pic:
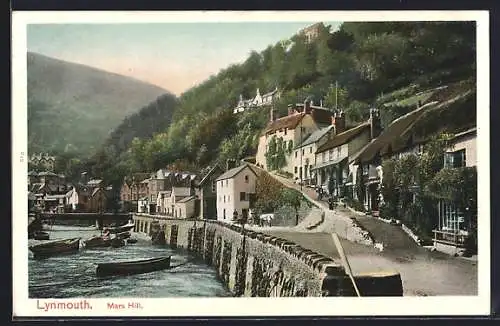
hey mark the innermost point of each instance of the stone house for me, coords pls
(207, 189)
(302, 120)
(235, 189)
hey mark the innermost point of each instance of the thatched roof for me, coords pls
(344, 137)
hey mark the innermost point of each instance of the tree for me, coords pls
(268, 193)
(294, 199)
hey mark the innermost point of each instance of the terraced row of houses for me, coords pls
(321, 151)
(217, 193)
(51, 192)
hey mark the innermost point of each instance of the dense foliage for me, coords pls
(413, 185)
(355, 67)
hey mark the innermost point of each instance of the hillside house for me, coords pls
(43, 161)
(257, 102)
(332, 170)
(302, 120)
(235, 190)
(207, 189)
(408, 134)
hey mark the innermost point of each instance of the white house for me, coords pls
(234, 189)
(300, 123)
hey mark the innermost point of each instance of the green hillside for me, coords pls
(73, 108)
(372, 63)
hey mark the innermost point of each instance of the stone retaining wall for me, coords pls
(254, 264)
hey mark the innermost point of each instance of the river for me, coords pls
(73, 275)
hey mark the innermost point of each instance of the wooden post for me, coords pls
(343, 257)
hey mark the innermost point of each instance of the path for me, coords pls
(422, 272)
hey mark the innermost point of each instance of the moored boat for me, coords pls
(41, 235)
(123, 235)
(131, 240)
(122, 228)
(52, 248)
(133, 267)
(97, 242)
(117, 242)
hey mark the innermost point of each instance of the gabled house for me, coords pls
(98, 200)
(208, 193)
(289, 131)
(332, 170)
(179, 202)
(258, 101)
(455, 112)
(235, 191)
(79, 198)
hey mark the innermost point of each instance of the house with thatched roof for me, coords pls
(449, 110)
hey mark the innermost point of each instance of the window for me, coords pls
(324, 157)
(224, 198)
(454, 159)
(286, 130)
(224, 213)
(310, 149)
(246, 179)
(296, 152)
(228, 198)
(213, 187)
(338, 151)
(227, 182)
(242, 196)
(295, 169)
(330, 154)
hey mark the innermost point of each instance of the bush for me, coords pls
(355, 204)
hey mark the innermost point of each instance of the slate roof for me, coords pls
(289, 121)
(209, 173)
(233, 172)
(315, 136)
(344, 137)
(185, 200)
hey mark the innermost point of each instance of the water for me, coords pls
(74, 275)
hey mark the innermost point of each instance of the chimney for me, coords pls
(375, 125)
(271, 115)
(230, 164)
(338, 120)
(307, 106)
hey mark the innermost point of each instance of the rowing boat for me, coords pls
(122, 228)
(133, 267)
(97, 242)
(56, 247)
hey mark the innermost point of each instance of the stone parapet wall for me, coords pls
(251, 263)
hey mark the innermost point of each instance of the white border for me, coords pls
(452, 305)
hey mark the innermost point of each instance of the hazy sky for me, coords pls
(175, 56)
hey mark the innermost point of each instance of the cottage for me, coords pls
(300, 123)
(256, 102)
(410, 133)
(235, 190)
(78, 198)
(208, 193)
(98, 200)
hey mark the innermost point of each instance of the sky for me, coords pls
(174, 56)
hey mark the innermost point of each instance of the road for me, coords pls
(424, 273)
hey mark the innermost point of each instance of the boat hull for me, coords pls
(117, 242)
(120, 229)
(133, 267)
(53, 248)
(123, 235)
(97, 242)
